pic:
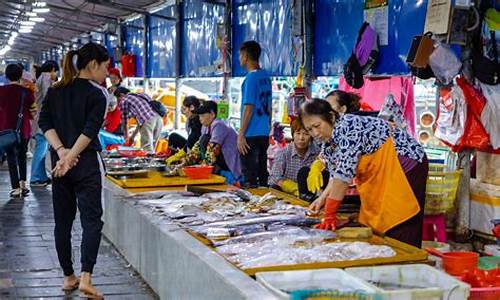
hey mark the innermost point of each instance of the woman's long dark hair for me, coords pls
(85, 55)
(318, 107)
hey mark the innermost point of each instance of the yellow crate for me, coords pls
(441, 191)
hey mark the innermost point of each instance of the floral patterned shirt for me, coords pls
(354, 136)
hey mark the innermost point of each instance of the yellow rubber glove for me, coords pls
(315, 177)
(176, 157)
(290, 187)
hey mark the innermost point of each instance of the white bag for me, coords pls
(490, 117)
(452, 115)
(444, 63)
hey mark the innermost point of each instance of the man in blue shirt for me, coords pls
(256, 109)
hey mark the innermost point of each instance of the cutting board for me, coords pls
(156, 179)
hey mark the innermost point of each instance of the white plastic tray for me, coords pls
(330, 279)
(434, 284)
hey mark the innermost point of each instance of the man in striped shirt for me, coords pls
(138, 106)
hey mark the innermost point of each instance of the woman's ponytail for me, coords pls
(69, 71)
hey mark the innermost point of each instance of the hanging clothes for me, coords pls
(128, 65)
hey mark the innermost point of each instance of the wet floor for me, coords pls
(28, 259)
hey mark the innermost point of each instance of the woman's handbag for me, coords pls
(12, 137)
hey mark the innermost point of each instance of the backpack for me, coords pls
(157, 106)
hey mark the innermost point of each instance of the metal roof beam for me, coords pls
(65, 27)
(79, 11)
(215, 2)
(74, 20)
(128, 8)
(45, 37)
(35, 41)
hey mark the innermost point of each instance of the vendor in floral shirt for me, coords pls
(390, 168)
(217, 145)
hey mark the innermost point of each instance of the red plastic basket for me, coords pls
(198, 172)
(492, 293)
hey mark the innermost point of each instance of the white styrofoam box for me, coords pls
(485, 205)
(411, 282)
(488, 168)
(328, 279)
(442, 247)
(493, 250)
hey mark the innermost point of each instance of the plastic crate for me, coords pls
(412, 282)
(485, 293)
(338, 283)
(441, 191)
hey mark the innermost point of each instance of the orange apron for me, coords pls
(386, 196)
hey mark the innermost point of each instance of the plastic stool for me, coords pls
(434, 228)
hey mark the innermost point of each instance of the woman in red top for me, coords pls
(10, 102)
(113, 117)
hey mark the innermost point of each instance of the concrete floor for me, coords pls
(28, 261)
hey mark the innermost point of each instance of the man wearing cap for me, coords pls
(138, 106)
(217, 145)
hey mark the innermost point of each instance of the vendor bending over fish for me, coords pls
(390, 168)
(217, 145)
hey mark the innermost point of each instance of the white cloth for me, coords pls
(490, 117)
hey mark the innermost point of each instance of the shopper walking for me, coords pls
(46, 75)
(15, 104)
(71, 116)
(149, 122)
(256, 111)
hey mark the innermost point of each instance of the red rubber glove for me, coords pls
(128, 143)
(330, 215)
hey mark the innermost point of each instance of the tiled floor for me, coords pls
(28, 259)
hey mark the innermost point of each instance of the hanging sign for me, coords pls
(377, 14)
(438, 16)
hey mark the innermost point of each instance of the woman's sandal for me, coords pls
(71, 287)
(91, 294)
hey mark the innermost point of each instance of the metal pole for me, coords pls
(309, 45)
(178, 60)
(145, 49)
(227, 50)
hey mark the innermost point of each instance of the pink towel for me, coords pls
(375, 90)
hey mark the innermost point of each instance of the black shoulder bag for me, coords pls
(12, 137)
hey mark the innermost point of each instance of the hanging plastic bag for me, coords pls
(444, 63)
(452, 113)
(475, 136)
(392, 111)
(490, 117)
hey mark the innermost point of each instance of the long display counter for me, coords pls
(173, 263)
(179, 265)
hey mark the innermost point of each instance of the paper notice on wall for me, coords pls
(438, 16)
(377, 14)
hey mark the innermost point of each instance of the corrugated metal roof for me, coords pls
(67, 19)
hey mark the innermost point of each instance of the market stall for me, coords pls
(197, 233)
